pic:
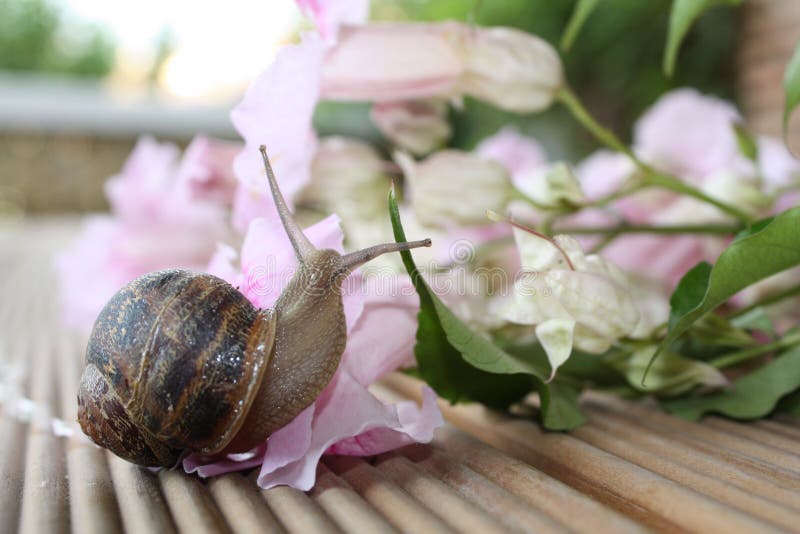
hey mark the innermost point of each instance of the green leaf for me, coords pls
(671, 375)
(750, 397)
(684, 13)
(592, 369)
(768, 248)
(443, 368)
(790, 404)
(559, 405)
(753, 228)
(479, 351)
(455, 361)
(689, 293)
(791, 89)
(747, 144)
(581, 12)
(460, 364)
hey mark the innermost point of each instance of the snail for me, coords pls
(179, 361)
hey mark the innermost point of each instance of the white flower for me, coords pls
(551, 186)
(417, 126)
(511, 69)
(347, 178)
(573, 299)
(744, 192)
(732, 188)
(452, 186)
(508, 68)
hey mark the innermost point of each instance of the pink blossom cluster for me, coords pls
(212, 211)
(691, 136)
(165, 212)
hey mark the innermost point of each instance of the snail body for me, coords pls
(181, 361)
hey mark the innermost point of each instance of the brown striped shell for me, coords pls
(180, 361)
(173, 363)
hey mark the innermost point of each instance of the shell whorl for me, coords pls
(184, 355)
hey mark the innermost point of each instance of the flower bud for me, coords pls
(455, 187)
(347, 178)
(671, 374)
(741, 191)
(508, 68)
(513, 70)
(416, 126)
(385, 62)
(731, 188)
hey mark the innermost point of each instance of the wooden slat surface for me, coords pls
(629, 469)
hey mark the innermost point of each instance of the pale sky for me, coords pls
(219, 46)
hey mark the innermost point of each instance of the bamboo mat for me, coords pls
(630, 469)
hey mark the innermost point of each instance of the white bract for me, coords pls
(573, 299)
(551, 186)
(511, 69)
(347, 178)
(417, 126)
(455, 187)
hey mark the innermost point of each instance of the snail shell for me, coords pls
(174, 362)
(180, 361)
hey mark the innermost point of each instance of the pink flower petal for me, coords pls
(516, 152)
(86, 275)
(136, 191)
(206, 170)
(155, 224)
(290, 443)
(417, 425)
(328, 15)
(603, 173)
(777, 164)
(662, 258)
(268, 259)
(206, 467)
(221, 265)
(382, 339)
(276, 111)
(348, 410)
(385, 62)
(688, 133)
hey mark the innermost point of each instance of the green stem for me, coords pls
(741, 356)
(651, 176)
(715, 229)
(772, 299)
(666, 181)
(603, 134)
(616, 195)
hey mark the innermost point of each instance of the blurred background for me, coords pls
(80, 80)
